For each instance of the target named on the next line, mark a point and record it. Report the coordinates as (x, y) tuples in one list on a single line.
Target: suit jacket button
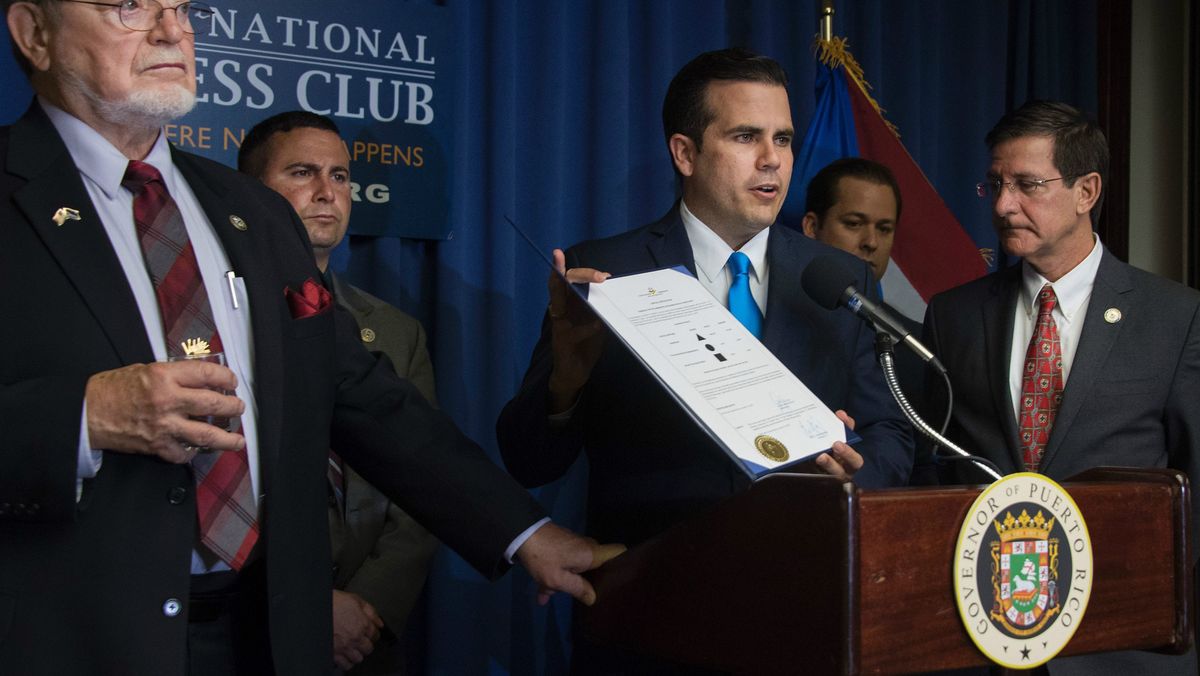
[(177, 495), (171, 608)]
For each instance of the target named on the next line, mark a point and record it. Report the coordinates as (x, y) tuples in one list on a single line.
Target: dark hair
[(1079, 144), (685, 108), (823, 188), (251, 154)]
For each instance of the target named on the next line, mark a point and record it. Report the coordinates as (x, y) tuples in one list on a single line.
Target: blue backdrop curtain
[(559, 128)]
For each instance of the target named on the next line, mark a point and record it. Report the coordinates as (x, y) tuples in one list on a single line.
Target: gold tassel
[(834, 53)]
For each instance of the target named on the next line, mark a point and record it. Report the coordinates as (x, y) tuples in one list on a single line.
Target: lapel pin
[(237, 222), (65, 214), (367, 335), (1112, 315)]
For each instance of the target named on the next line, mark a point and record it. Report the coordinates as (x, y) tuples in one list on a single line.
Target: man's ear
[(1089, 186), (810, 224), (683, 153), (28, 26)]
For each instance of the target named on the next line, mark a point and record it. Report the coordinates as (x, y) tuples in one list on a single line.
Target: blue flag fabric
[(830, 134)]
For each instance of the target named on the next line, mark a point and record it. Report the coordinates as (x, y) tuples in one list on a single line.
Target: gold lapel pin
[(1112, 315), (237, 222), (367, 335), (65, 214)]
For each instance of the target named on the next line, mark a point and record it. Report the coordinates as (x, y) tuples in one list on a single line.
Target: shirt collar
[(100, 160), (1072, 289), (711, 253)]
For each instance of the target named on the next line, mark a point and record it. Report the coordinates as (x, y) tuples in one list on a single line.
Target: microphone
[(830, 283)]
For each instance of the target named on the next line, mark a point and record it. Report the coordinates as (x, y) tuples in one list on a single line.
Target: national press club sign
[(380, 70)]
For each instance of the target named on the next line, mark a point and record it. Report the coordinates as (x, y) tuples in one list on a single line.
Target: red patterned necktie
[(1041, 383), (224, 500)]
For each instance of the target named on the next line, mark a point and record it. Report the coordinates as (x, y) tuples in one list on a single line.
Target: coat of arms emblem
[(1025, 572)]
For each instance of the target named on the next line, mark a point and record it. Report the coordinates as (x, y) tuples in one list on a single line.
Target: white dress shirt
[(1074, 292), (711, 254), (102, 168)]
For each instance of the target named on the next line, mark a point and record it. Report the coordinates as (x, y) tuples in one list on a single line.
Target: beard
[(150, 108), (142, 108)]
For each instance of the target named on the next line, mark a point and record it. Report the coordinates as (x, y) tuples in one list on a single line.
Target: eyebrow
[(745, 129), (312, 166), (865, 217), (1020, 175), (751, 129)]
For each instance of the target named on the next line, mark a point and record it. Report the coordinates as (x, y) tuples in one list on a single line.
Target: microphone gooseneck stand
[(884, 351)]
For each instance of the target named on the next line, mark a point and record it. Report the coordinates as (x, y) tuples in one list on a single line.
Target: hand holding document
[(746, 399), (578, 334), (723, 377)]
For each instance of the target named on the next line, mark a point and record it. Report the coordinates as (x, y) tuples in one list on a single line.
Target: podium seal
[(1022, 570)]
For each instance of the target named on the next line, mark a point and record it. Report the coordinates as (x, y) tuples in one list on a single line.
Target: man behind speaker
[(1071, 359), (854, 204), (380, 554)]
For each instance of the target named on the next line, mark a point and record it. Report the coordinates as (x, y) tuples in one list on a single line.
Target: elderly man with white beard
[(174, 378)]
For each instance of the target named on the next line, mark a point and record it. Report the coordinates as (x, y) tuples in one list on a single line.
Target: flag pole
[(827, 20)]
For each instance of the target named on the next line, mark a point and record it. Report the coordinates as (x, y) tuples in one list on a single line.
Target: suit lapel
[(81, 247), (245, 250), (780, 334), (1095, 341), (349, 298), (998, 312), (669, 245)]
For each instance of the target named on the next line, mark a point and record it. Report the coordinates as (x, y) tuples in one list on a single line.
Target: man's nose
[(324, 192), (770, 156), (870, 239), (1006, 202), (168, 27)]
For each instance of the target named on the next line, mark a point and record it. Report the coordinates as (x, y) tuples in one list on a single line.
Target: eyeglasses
[(144, 15), (1029, 187)]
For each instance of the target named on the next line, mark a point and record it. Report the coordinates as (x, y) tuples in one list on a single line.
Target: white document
[(745, 397)]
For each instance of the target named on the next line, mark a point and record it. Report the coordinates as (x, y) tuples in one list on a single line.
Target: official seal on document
[(1022, 570), (771, 447)]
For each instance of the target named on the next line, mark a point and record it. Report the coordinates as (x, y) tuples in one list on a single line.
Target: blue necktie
[(741, 301)]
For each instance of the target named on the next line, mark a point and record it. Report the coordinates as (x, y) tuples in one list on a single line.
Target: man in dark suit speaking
[(137, 536), (728, 128), (1071, 359)]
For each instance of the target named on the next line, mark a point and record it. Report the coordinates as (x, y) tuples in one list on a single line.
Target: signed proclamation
[(733, 386)]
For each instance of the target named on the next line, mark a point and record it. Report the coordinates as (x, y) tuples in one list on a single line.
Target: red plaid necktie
[(1041, 384), (224, 500)]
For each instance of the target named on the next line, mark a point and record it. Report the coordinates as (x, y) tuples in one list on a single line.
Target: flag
[(931, 252)]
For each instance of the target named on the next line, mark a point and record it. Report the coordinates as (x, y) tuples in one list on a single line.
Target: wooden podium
[(804, 573)]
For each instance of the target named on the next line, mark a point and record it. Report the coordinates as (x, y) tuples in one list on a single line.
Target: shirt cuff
[(89, 458), (520, 539)]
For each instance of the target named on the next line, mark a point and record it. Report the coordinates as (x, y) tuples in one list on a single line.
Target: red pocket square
[(312, 299)]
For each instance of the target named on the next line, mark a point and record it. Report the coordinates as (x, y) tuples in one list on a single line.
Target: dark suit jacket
[(379, 552), (85, 586), (650, 465), (1132, 397)]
